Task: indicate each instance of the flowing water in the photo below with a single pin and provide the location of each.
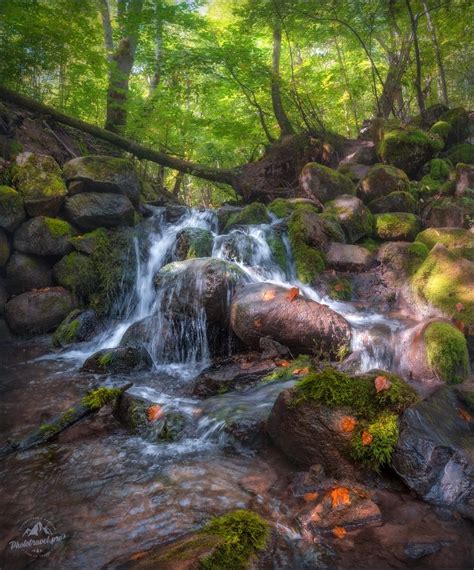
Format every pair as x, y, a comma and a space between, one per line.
112, 493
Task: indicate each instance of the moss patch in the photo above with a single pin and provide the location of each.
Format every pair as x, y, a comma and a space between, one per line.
58, 228
49, 429
457, 240
340, 289
255, 213
98, 398
284, 373
309, 261
384, 434
67, 331
446, 351
440, 129
458, 121
397, 226
463, 152
244, 534
77, 273
277, 246
283, 208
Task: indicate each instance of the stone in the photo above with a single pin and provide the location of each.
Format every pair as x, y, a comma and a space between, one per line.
448, 213
44, 236
397, 226
252, 214
79, 326
394, 202
3, 295
192, 243
458, 123
345, 257
122, 359
38, 312
89, 242
5, 249
322, 183
457, 240
78, 273
399, 260
92, 210
464, 180
27, 272
381, 180
12, 211
355, 219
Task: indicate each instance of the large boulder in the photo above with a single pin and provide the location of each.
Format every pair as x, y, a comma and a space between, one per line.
79, 326
457, 240
282, 208
122, 359
449, 213
408, 149
192, 243
5, 249
434, 455
463, 152
38, 312
393, 202
12, 212
322, 183
345, 257
44, 236
89, 242
399, 260
102, 174
457, 120
38, 179
27, 272
355, 219
397, 226
304, 326
78, 273
381, 180
92, 210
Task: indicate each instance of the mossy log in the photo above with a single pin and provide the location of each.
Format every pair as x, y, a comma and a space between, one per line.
91, 403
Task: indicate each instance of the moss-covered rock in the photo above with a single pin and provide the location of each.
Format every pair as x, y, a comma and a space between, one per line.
408, 149
446, 351
78, 326
322, 183
436, 179
397, 226
4, 249
458, 121
457, 240
463, 152
12, 212
27, 272
446, 282
282, 208
464, 181
278, 248
192, 243
77, 273
401, 259
308, 238
345, 257
89, 242
449, 212
92, 210
394, 202
255, 213
44, 236
121, 359
382, 179
340, 289
355, 219
440, 129
38, 178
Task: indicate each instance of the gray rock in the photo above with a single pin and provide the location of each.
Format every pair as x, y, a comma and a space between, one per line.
93, 210
44, 236
118, 360
345, 257
12, 212
355, 219
27, 272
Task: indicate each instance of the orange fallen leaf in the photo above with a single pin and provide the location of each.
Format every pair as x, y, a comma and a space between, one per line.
382, 383
292, 294
338, 287
339, 532
301, 371
459, 307
257, 322
309, 497
154, 413
465, 415
269, 295
283, 363
348, 423
367, 438
340, 496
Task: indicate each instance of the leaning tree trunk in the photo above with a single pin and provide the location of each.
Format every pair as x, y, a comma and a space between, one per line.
439, 58
278, 109
414, 28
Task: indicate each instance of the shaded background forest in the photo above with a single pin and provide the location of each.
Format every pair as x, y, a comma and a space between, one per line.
216, 82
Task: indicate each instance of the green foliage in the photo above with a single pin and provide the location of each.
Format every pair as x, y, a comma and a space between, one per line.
243, 533
446, 351
99, 397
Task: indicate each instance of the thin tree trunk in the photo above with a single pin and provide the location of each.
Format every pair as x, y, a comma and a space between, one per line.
107, 27
280, 115
156, 77
414, 28
439, 58
177, 184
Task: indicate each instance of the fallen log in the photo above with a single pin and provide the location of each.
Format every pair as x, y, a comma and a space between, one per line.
91, 403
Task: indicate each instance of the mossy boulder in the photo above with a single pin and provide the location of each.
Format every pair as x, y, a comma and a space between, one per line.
252, 214
77, 273
322, 183
4, 249
394, 202
446, 352
44, 236
458, 121
192, 243
340, 421
38, 312
278, 248
440, 129
355, 219
282, 208
27, 272
446, 281
102, 174
381, 180
400, 260
436, 179
79, 326
92, 210
89, 242
449, 212
12, 211
463, 152
408, 149
397, 226
458, 240
464, 180
122, 359
39, 180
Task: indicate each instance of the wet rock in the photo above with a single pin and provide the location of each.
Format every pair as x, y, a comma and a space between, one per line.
44, 236
89, 242
345, 257
262, 309
92, 210
4, 249
27, 272
355, 219
173, 213
397, 226
434, 452
464, 179
457, 240
118, 360
12, 212
77, 273
255, 213
224, 212
322, 183
282, 208
272, 349
79, 326
38, 179
192, 243
417, 550
238, 373
382, 180
38, 312
394, 202
102, 174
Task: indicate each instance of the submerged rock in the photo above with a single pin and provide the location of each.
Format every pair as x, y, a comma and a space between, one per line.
304, 326
120, 359
44, 236
92, 210
27, 272
12, 212
434, 454
38, 312
322, 183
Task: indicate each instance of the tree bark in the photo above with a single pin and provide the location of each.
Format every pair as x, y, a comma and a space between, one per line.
107, 27
414, 28
439, 58
156, 77
278, 109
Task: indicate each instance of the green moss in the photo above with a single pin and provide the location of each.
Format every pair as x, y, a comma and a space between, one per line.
309, 262
396, 226
458, 121
439, 169
370, 244
98, 398
87, 243
58, 228
55, 427
446, 351
77, 273
39, 176
66, 333
457, 240
356, 220
244, 534
331, 183
255, 213
105, 359
440, 129
340, 289
194, 242
384, 432
283, 208
278, 249
284, 373
463, 152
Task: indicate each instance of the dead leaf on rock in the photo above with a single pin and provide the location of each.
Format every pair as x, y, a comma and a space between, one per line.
339, 532
348, 423
292, 294
269, 295
367, 438
465, 415
340, 496
154, 413
301, 371
382, 383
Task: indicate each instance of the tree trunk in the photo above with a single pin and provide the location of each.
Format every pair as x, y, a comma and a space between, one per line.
107, 27
280, 115
156, 77
414, 28
439, 58
398, 64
